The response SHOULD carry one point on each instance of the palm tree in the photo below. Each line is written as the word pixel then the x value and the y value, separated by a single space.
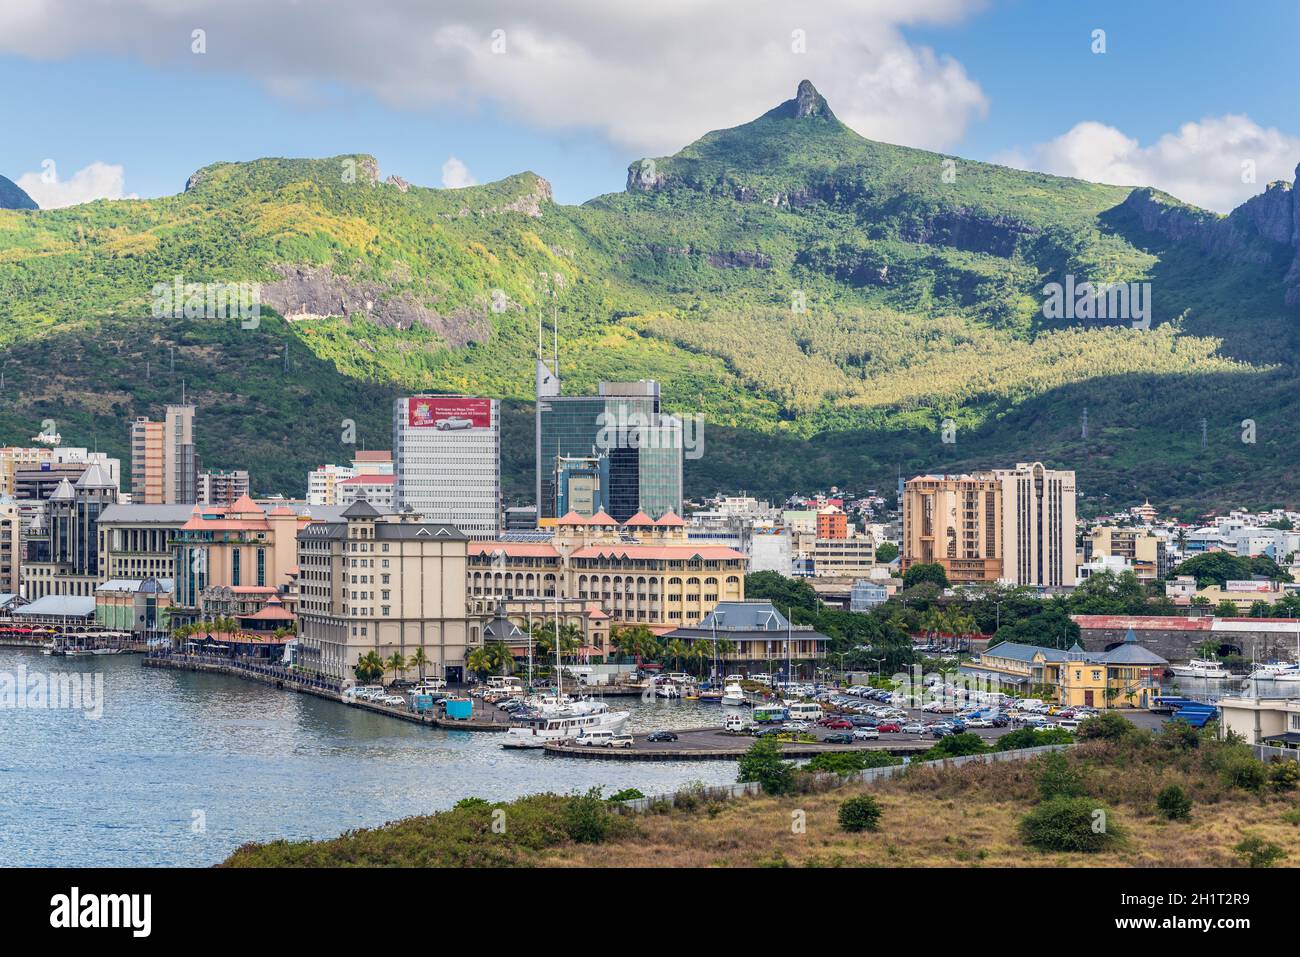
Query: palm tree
pixel 499 657
pixel 702 652
pixel 676 650
pixel 480 660
pixel 420 660
pixel 369 667
pixel 396 663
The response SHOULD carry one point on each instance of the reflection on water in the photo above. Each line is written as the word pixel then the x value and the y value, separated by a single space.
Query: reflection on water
pixel 182 768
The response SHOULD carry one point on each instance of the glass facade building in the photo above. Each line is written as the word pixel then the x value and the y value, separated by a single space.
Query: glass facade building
pixel 638 448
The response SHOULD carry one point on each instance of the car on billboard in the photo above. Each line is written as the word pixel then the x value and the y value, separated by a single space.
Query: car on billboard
pixel 453 422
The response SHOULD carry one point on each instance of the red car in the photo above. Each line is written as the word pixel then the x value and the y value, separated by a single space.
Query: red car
pixel 889 726
pixel 839 724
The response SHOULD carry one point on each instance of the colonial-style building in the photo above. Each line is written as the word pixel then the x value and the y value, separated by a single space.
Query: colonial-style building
pixel 759 639
pixel 639 572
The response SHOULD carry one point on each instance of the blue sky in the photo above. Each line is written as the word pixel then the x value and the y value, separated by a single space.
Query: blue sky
pixel 577 99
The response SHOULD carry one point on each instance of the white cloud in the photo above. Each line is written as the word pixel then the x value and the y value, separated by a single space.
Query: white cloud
pixel 456 174
pixel 1200 163
pixel 96 181
pixel 649 76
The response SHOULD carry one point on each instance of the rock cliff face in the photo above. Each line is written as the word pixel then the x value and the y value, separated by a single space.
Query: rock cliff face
pixel 1264 228
pixel 312 292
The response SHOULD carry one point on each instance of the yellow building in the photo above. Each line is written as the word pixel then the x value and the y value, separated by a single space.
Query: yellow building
pixel 640 572
pixel 1126 676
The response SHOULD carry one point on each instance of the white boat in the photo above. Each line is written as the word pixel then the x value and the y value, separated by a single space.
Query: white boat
pixel 1277 671
pixel 668 691
pixel 1201 668
pixel 734 695
pixel 534 732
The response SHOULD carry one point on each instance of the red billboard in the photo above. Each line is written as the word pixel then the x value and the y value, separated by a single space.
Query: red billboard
pixel 449 413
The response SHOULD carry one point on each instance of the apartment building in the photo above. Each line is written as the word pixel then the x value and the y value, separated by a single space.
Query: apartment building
pixel 222 487
pixel 164 465
pixel 1141 550
pixel 385 583
pixel 1012 525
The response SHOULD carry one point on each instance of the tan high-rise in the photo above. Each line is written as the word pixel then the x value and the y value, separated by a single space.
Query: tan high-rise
pixel 1011 525
pixel 164 469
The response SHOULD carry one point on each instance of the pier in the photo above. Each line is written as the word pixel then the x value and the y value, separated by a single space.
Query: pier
pixel 714 744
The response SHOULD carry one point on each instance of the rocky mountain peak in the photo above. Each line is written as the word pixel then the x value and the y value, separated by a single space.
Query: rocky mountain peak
pixel 807 102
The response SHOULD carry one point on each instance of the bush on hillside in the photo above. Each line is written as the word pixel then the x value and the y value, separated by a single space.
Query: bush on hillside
pixel 860 814
pixel 1074 824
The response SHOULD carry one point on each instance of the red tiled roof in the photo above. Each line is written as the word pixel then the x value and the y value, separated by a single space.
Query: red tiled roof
pixel 671 518
pixel 1141 622
pixel 571 518
pixel 602 518
pixel 244 505
pixel 639 520
pixel 671 552
pixel 594 611
pixel 272 612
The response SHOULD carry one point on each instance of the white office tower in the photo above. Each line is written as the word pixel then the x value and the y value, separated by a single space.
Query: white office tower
pixel 447 461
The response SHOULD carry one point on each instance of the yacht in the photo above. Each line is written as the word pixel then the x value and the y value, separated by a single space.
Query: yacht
pixel 668 691
pixel 534 731
pixel 1277 671
pixel 734 695
pixel 1201 668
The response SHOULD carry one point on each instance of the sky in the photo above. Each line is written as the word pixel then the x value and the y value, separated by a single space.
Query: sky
pixel 129 98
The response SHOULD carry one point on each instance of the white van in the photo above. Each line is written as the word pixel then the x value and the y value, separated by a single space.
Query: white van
pixel 595 739
pixel 734 723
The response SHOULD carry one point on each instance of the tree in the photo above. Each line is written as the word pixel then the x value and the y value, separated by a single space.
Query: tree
pixel 1057 777
pixel 1226 608
pixel 396 663
pixel 1075 824
pixel 763 763
pixel 1174 803
pixel 782 592
pixel 1107 726
pixel 925 572
pixel 369 667
pixel 886 552
pixel 479 661
pixel 420 661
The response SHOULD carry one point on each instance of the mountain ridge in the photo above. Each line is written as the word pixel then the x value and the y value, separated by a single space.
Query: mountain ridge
pixel 792 280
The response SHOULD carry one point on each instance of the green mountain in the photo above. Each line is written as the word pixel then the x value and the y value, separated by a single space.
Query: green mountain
pixel 825 301
pixel 13 196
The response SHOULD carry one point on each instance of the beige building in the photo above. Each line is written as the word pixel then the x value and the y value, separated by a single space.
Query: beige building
pixel 1012 525
pixel 640 572
pixel 853 554
pixel 382 583
pixel 164 466
pixel 1142 550
pixel 11 538
pixel 1274 721
pixel 135 541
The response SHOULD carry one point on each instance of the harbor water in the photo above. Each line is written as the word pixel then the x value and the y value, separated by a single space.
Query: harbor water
pixel 182 768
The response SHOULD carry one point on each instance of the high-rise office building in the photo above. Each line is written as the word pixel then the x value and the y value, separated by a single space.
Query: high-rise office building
pixel 623 441
pixel 1011 525
pixel 164 466
pixel 447 461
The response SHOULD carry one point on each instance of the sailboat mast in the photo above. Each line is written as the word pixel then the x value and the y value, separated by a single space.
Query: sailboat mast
pixel 559 675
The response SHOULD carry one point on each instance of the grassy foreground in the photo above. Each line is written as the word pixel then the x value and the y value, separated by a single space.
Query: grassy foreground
pixel 1235 811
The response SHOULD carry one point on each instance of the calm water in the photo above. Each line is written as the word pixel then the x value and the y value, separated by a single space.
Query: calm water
pixel 258 764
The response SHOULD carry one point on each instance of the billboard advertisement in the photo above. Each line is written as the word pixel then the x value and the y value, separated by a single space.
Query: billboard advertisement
pixel 449 413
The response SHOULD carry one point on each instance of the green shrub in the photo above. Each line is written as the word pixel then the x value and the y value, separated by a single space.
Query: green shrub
pixel 1284 776
pixel 1174 803
pixel 1178 735
pixel 860 814
pixel 472 802
pixel 1292 816
pixel 1057 777
pixel 587 818
pixel 1029 738
pixel 1073 824
pixel 627 794
pixel 1245 772
pixel 1254 851
pixel 850 762
pixel 763 763
pixel 1107 726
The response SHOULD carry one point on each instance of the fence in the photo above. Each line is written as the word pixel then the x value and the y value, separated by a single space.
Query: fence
pixel 870 775
pixel 1266 752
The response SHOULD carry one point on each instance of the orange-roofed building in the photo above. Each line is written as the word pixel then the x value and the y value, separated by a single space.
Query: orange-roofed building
pixel 643 572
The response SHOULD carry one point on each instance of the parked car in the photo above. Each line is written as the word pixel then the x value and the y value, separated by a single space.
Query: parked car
pixel 939 731
pixel 914 728
pixel 866 734
pixel 620 741
pixel 979 723
pixel 839 737
pixel 889 727
pixel 661 736
pixel 839 724
pixel 796 726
